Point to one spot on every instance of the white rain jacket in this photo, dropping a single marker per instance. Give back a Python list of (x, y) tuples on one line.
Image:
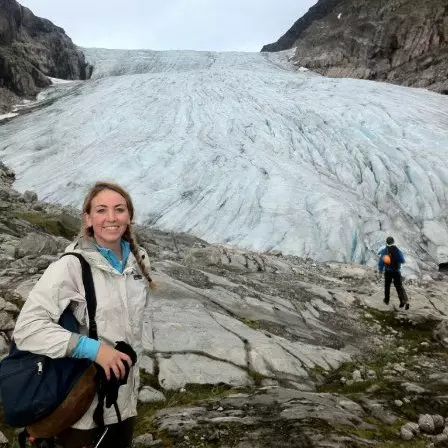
[(121, 300)]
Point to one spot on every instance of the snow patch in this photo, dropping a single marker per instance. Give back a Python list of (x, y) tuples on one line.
[(8, 115), (57, 81)]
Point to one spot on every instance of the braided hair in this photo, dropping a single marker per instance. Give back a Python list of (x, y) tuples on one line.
[(128, 235)]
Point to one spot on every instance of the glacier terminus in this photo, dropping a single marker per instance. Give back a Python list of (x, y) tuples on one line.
[(246, 149)]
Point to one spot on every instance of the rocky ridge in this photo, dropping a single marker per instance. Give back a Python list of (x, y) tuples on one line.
[(249, 349), (31, 50), (396, 41)]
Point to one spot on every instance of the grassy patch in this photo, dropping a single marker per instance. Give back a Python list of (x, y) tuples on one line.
[(149, 379), (384, 434), (192, 395), (59, 225), (265, 433), (388, 386), (256, 377), (332, 381), (251, 323), (409, 331), (425, 404)]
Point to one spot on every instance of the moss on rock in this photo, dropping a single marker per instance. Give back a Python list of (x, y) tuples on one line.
[(59, 225)]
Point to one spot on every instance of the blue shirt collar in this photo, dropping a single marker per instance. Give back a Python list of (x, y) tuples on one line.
[(110, 256)]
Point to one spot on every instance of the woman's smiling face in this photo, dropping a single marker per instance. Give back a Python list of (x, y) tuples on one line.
[(108, 217)]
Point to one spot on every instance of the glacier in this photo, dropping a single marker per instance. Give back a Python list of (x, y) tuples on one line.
[(246, 149)]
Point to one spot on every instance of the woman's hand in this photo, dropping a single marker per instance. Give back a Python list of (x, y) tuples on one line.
[(110, 359)]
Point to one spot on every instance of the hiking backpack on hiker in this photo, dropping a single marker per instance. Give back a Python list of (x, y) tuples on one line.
[(390, 258)]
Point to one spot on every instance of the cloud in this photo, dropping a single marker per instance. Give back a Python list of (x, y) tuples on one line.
[(173, 24)]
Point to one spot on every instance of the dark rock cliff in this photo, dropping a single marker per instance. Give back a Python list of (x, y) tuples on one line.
[(398, 41), (31, 49)]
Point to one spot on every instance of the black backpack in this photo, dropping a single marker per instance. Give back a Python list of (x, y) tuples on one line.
[(32, 386), (392, 251)]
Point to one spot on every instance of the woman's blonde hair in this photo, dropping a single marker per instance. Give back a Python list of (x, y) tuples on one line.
[(128, 234)]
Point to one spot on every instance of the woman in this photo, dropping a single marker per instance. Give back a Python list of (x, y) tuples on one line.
[(121, 277)]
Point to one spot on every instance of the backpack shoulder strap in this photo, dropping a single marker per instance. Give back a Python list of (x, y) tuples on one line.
[(89, 287)]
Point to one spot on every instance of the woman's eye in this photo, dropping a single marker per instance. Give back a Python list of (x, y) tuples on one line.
[(101, 210), (121, 210)]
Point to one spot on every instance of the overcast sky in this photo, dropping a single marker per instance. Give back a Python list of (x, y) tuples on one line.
[(220, 25)]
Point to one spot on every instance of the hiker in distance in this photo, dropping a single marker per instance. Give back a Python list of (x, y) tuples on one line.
[(120, 270), (391, 259)]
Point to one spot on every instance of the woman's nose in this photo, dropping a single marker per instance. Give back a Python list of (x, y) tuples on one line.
[(111, 215)]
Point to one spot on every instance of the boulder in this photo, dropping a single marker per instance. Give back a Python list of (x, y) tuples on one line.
[(35, 244)]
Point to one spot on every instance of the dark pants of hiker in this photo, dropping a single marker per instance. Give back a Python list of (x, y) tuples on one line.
[(394, 276), (117, 436)]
